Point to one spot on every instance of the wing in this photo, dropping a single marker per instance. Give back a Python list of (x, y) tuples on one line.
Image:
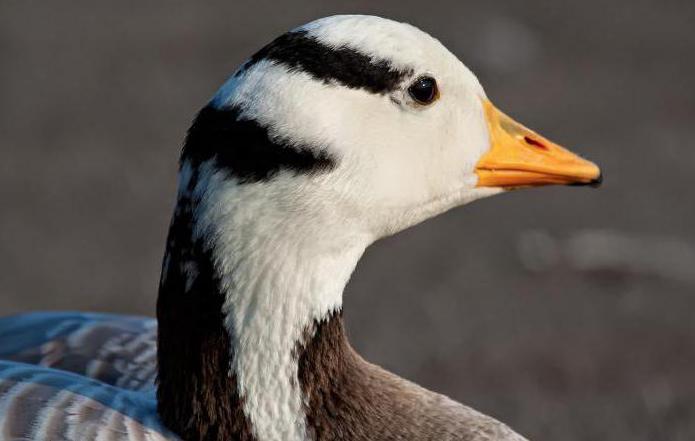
[(38, 403), (115, 349)]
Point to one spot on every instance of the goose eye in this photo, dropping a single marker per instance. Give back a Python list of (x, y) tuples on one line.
[(423, 90)]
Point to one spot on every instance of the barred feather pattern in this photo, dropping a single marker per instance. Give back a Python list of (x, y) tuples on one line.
[(44, 404), (117, 350), (78, 376)]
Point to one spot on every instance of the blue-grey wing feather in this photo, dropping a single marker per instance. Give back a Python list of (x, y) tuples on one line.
[(116, 349), (38, 403)]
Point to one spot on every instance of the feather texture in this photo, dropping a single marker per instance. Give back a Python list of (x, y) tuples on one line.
[(115, 349), (38, 403)]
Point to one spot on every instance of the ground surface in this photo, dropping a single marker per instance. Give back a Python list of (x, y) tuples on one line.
[(567, 313)]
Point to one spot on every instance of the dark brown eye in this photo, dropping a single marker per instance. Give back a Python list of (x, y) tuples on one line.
[(423, 90)]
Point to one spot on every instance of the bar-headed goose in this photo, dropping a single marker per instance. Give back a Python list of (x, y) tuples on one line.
[(334, 135)]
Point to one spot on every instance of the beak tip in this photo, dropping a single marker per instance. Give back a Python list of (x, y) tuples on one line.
[(596, 183)]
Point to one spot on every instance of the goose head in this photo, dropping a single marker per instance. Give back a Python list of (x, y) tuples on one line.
[(334, 135), (377, 126)]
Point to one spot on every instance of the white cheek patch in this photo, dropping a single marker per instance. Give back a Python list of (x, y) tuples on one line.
[(472, 133)]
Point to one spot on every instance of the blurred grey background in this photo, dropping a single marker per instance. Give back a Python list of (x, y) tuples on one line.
[(565, 312)]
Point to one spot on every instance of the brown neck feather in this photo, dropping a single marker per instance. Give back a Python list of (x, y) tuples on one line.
[(349, 399), (332, 378)]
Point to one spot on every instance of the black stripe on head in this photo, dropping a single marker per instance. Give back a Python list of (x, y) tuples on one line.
[(245, 149), (302, 52)]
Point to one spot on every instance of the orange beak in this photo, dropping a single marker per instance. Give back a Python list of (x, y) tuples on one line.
[(519, 157)]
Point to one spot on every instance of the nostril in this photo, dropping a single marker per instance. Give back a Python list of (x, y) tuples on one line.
[(535, 143)]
